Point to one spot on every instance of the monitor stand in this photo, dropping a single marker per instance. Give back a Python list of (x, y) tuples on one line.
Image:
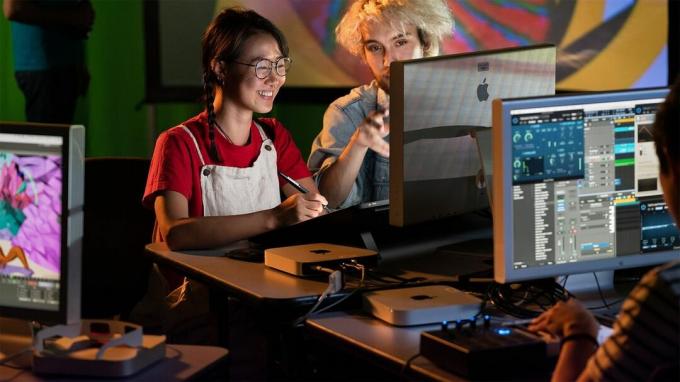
[(77, 349), (596, 290), (25, 347)]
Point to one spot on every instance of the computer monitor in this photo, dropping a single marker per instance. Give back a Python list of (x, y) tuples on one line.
[(41, 221), (435, 104), (575, 186)]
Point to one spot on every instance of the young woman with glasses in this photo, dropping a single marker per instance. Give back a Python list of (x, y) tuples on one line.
[(214, 178)]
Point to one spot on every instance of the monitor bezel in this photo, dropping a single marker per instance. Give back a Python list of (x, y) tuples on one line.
[(72, 152), (502, 181)]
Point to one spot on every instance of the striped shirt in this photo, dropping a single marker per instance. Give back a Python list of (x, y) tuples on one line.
[(646, 337)]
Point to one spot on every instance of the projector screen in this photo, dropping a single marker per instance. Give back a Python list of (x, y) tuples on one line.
[(607, 44)]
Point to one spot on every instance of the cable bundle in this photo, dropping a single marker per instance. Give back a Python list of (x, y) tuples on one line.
[(515, 299)]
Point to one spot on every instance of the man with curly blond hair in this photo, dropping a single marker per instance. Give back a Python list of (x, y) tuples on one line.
[(350, 154)]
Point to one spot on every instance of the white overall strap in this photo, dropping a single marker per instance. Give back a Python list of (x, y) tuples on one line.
[(200, 156), (227, 190), (261, 130)]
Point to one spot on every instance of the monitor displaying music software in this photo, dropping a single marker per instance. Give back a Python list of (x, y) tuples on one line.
[(576, 186), (41, 197)]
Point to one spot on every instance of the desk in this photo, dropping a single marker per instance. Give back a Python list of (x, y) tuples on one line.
[(181, 363), (279, 297), (387, 346), (275, 298), (257, 283), (253, 282)]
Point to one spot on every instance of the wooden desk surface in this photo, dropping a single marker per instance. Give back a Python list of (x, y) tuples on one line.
[(181, 363), (261, 283), (388, 345), (253, 280)]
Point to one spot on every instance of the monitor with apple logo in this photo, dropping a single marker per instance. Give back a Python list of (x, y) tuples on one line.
[(440, 121)]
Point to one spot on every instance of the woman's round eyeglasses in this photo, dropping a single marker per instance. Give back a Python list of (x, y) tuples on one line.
[(263, 67)]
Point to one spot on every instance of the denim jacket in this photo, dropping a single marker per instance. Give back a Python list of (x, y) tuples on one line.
[(342, 117)]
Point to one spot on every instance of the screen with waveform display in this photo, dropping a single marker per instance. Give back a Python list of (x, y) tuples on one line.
[(659, 231)]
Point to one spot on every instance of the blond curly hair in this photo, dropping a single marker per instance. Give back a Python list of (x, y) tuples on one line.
[(432, 18)]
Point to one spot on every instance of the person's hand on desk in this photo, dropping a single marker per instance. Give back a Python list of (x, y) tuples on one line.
[(372, 130), (577, 328), (300, 207), (566, 318)]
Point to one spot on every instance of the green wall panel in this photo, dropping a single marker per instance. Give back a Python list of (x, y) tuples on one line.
[(11, 100), (113, 112)]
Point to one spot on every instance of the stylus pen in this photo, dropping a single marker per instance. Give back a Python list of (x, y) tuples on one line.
[(294, 183), (299, 187)]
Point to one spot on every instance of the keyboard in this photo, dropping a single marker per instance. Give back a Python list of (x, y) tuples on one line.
[(490, 352), (606, 325)]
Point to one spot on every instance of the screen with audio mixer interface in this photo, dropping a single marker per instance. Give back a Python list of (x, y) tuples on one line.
[(585, 178)]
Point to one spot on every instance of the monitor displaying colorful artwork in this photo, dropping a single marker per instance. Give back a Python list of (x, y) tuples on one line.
[(41, 211), (30, 212)]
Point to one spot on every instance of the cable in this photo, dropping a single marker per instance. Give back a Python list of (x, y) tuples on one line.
[(564, 282), (352, 293), (335, 284), (482, 305), (504, 301), (599, 291), (361, 269), (9, 358), (407, 365), (512, 298), (313, 311), (353, 264), (609, 306), (34, 326), (319, 268)]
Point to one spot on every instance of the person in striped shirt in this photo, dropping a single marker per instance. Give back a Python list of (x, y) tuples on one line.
[(645, 343)]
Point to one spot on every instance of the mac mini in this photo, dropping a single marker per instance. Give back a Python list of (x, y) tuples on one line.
[(421, 305), (300, 260)]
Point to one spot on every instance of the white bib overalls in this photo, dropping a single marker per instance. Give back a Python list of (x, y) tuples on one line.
[(225, 191), (229, 191)]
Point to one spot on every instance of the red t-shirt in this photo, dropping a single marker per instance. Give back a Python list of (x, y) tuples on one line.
[(175, 165)]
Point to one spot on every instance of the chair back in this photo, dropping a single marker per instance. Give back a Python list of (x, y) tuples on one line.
[(116, 229)]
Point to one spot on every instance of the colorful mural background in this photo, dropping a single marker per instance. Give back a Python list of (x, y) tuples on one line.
[(595, 38)]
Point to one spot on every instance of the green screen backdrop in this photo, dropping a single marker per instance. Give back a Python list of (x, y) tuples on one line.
[(113, 111)]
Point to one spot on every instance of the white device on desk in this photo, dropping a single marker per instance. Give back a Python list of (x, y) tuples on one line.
[(299, 260), (101, 348), (40, 279), (421, 305)]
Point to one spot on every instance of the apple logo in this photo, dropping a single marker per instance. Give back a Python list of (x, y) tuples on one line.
[(482, 93)]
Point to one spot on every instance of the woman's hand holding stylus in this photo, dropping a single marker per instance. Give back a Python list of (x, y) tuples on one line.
[(299, 207)]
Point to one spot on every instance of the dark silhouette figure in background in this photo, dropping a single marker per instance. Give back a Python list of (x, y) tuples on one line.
[(48, 45)]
